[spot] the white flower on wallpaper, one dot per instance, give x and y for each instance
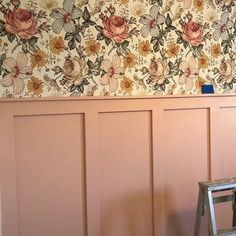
(18, 71)
(65, 17)
(222, 27)
(150, 22)
(113, 72)
(116, 48)
(190, 72)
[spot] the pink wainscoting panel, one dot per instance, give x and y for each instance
(186, 161)
(126, 174)
(49, 157)
(112, 166)
(227, 159)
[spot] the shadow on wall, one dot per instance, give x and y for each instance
(132, 216)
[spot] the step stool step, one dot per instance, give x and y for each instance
(227, 232)
(219, 184)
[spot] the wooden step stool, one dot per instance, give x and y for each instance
(205, 198)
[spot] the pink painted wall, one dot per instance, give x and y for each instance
(112, 166)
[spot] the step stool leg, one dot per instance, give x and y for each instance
(234, 208)
(200, 211)
(211, 211)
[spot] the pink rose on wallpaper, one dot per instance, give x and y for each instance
(192, 33)
(75, 69)
(21, 22)
(227, 70)
(115, 27)
(158, 70)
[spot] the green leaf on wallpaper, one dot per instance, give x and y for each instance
(92, 23)
(68, 36)
(3, 33)
(125, 44)
(161, 41)
(168, 20)
(33, 48)
(230, 44)
(2, 58)
(86, 15)
(154, 40)
(85, 82)
(98, 27)
(25, 48)
(199, 49)
(11, 37)
(2, 28)
(159, 2)
(179, 40)
(90, 64)
(163, 87)
(33, 40)
(72, 88)
(185, 44)
(100, 36)
(226, 49)
(78, 38)
(107, 41)
(156, 47)
(178, 32)
(171, 65)
(96, 72)
(80, 88)
(72, 44)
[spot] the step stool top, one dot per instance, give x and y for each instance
(227, 232)
(219, 184)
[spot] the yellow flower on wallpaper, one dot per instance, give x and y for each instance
(211, 15)
(39, 59)
(57, 45)
(138, 9)
(129, 60)
(144, 48)
(92, 47)
(126, 85)
(173, 49)
(35, 86)
(215, 50)
(199, 82)
(48, 4)
(124, 2)
(198, 4)
(203, 62)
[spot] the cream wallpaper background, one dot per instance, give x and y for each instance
(116, 47)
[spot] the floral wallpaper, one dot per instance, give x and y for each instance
(116, 47)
